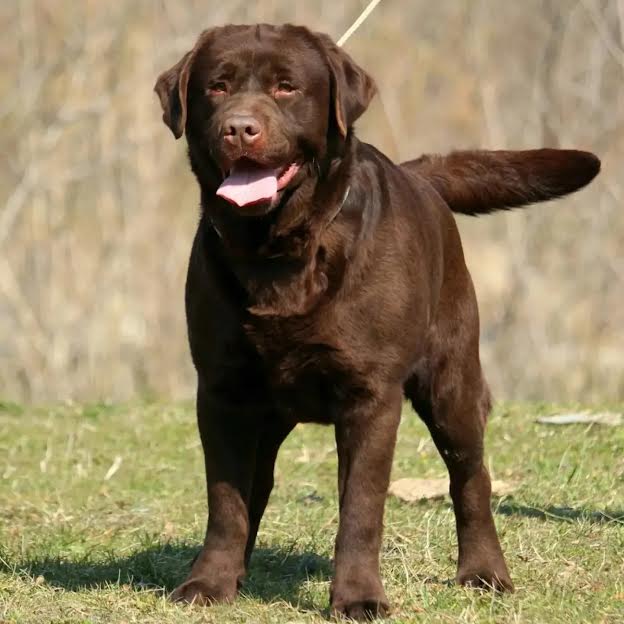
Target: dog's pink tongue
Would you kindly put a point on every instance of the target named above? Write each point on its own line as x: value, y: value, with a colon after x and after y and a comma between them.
x: 248, y: 184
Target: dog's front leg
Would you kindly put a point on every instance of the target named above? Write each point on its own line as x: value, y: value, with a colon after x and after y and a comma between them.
x: 365, y: 438
x: 229, y: 435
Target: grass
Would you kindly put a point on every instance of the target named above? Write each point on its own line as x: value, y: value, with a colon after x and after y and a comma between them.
x: 77, y: 547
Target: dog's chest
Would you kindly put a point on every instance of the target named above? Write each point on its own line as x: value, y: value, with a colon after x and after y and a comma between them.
x: 312, y: 377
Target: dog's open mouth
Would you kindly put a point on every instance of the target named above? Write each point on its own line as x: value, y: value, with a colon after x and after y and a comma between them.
x: 249, y: 183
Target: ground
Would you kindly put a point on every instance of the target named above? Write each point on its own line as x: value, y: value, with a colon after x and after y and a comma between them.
x: 102, y: 508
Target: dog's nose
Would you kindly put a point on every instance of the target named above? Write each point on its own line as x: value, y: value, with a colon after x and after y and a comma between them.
x: 242, y: 129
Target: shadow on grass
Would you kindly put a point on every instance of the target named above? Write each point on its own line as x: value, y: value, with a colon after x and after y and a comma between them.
x: 274, y: 574
x: 551, y: 513
x: 560, y: 514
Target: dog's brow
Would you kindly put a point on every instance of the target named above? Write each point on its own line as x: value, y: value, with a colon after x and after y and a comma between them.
x: 224, y: 69
x: 282, y: 71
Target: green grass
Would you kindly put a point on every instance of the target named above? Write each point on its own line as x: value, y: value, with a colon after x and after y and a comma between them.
x: 77, y: 548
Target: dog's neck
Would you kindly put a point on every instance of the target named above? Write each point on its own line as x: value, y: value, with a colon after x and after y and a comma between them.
x: 283, y: 259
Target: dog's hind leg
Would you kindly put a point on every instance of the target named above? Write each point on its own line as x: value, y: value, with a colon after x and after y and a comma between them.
x: 451, y: 396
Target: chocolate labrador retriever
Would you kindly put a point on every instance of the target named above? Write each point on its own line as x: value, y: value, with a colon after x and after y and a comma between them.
x: 326, y: 284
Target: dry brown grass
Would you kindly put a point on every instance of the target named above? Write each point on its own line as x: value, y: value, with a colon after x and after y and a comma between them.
x: 97, y: 206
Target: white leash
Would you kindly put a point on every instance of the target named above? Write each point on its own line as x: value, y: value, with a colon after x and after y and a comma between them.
x: 358, y: 22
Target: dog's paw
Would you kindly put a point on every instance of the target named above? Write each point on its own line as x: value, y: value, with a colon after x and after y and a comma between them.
x: 487, y: 579
x: 200, y: 591
x: 361, y: 610
x: 361, y: 599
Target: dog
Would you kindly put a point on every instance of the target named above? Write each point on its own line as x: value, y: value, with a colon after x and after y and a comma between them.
x: 325, y: 285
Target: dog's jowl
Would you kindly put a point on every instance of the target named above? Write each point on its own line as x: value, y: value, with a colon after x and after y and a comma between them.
x: 326, y: 284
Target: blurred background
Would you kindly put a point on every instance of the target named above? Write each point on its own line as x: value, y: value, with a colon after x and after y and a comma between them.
x: 98, y: 206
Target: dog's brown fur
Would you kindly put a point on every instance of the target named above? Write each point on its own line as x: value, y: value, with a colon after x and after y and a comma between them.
x: 317, y: 308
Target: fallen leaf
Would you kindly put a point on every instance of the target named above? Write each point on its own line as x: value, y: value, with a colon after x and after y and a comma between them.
x: 413, y: 490
x: 612, y: 419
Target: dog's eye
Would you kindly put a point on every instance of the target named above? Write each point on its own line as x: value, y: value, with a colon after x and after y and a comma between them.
x: 284, y: 88
x: 217, y: 88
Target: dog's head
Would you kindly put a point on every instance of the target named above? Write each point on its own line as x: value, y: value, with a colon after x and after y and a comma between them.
x: 261, y: 104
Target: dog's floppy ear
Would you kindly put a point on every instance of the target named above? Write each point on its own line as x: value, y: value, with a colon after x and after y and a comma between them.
x: 352, y: 88
x: 172, y: 89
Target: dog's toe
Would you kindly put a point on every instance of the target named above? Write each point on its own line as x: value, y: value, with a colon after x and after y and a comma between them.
x: 499, y: 581
x: 200, y: 591
x: 361, y: 609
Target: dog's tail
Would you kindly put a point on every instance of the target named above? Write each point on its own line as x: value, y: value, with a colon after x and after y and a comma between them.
x: 480, y: 182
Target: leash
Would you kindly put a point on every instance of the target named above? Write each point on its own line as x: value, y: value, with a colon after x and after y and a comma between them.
x: 340, y: 207
x: 358, y: 22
